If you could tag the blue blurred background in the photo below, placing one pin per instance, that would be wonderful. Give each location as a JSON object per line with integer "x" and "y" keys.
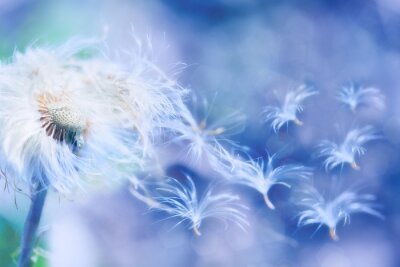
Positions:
{"x": 246, "y": 54}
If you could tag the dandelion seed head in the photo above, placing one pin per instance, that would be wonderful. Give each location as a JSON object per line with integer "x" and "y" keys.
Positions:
{"x": 60, "y": 117}
{"x": 56, "y": 130}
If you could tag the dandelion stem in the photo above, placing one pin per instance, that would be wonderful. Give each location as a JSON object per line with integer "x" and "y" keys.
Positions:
{"x": 268, "y": 202}
{"x": 196, "y": 231}
{"x": 31, "y": 225}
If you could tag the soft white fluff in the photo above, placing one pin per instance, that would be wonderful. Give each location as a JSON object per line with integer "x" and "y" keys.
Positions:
{"x": 181, "y": 201}
{"x": 316, "y": 209}
{"x": 338, "y": 154}
{"x": 105, "y": 148}
{"x": 355, "y": 96}
{"x": 202, "y": 137}
{"x": 287, "y": 112}
{"x": 262, "y": 177}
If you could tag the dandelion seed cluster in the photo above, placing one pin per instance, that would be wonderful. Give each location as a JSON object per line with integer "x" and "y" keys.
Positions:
{"x": 233, "y": 162}
{"x": 68, "y": 121}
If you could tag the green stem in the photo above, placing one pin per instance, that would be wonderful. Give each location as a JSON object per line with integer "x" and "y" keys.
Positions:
{"x": 31, "y": 225}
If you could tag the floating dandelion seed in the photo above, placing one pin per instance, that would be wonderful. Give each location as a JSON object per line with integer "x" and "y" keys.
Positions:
{"x": 346, "y": 152}
{"x": 262, "y": 177}
{"x": 318, "y": 210}
{"x": 181, "y": 201}
{"x": 287, "y": 112}
{"x": 355, "y": 96}
{"x": 205, "y": 138}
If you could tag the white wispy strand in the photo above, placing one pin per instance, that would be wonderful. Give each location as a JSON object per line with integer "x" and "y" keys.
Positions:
{"x": 181, "y": 201}
{"x": 355, "y": 96}
{"x": 204, "y": 138}
{"x": 53, "y": 79}
{"x": 287, "y": 112}
{"x": 262, "y": 177}
{"x": 141, "y": 189}
{"x": 228, "y": 164}
{"x": 142, "y": 95}
{"x": 338, "y": 154}
{"x": 315, "y": 209}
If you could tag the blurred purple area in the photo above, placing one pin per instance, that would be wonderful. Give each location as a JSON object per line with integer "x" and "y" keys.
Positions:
{"x": 246, "y": 54}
